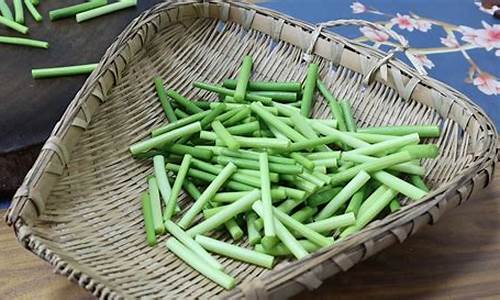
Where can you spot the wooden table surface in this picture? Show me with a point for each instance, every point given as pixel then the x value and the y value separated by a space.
pixel 458 258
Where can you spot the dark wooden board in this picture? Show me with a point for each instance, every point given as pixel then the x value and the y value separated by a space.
pixel 30 108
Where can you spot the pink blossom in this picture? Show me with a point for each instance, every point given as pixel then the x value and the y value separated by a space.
pixel 424 61
pixel 487 38
pixel 404 22
pixel 469 35
pixel 423 25
pixel 358 7
pixel 450 42
pixel 487 84
pixel 374 34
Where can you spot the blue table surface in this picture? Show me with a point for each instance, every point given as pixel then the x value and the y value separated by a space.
pixel 451 67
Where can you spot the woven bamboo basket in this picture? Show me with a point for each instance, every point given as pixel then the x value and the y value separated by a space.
pixel 79 207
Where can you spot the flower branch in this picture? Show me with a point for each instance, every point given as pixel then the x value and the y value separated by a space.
pixel 487 38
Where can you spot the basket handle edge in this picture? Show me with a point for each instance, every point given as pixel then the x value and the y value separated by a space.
pixel 403 45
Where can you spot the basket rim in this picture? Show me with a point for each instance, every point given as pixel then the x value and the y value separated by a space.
pixel 27 197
